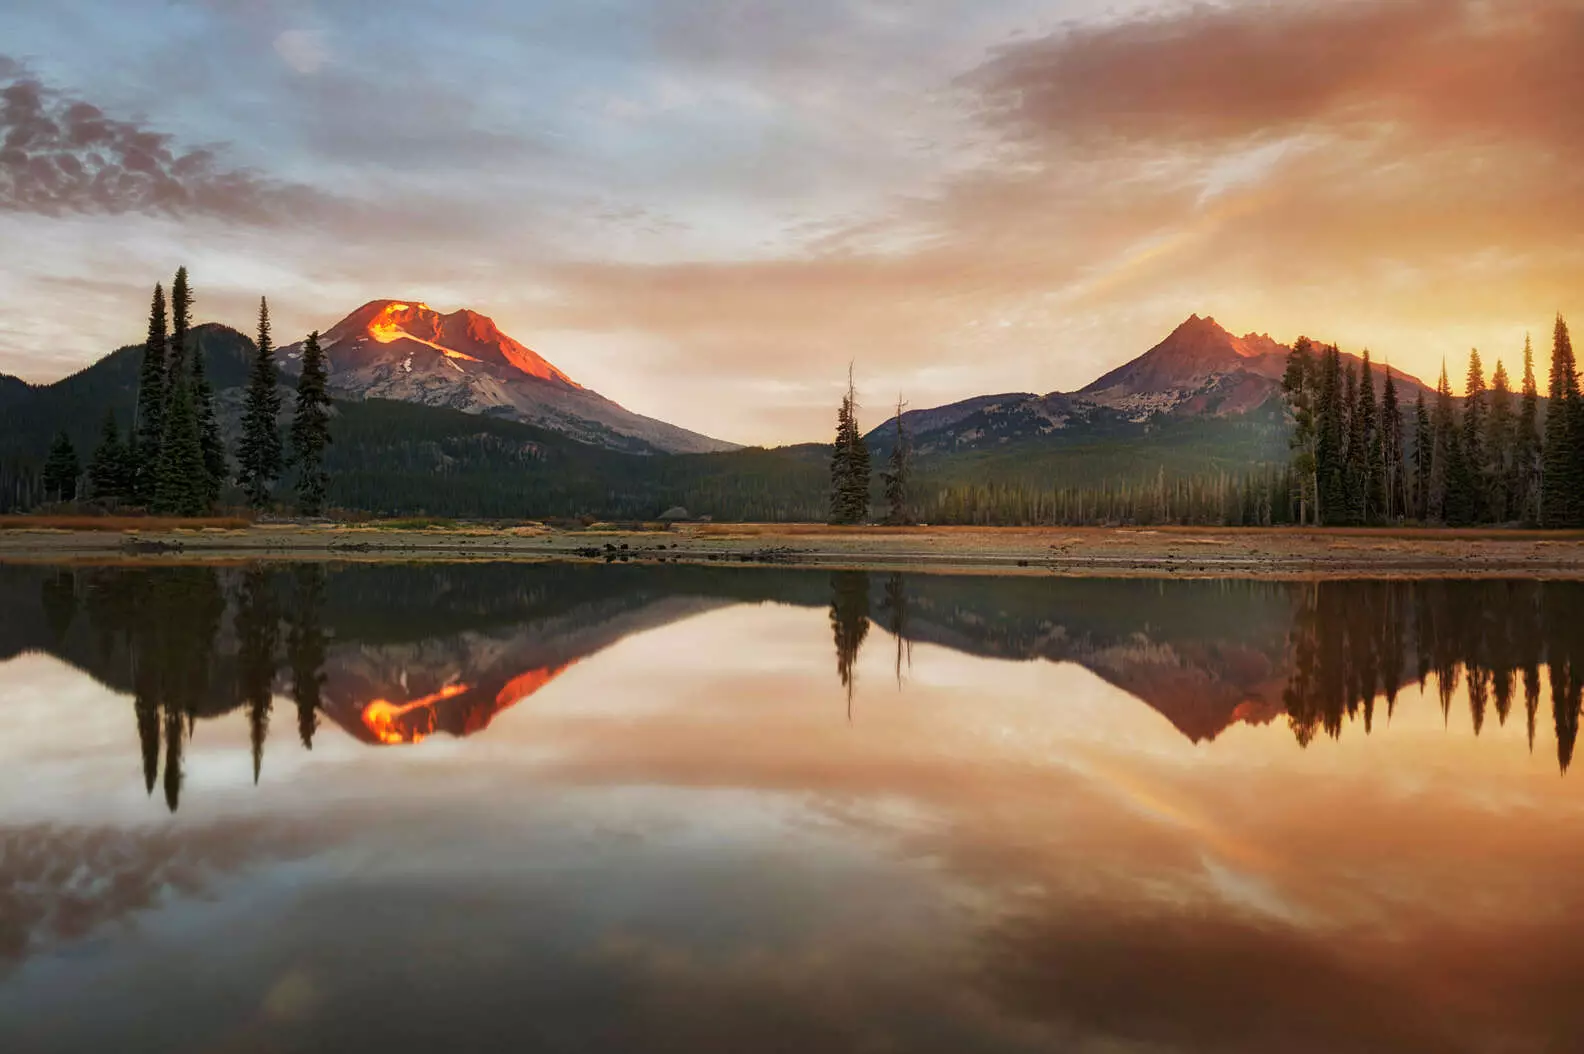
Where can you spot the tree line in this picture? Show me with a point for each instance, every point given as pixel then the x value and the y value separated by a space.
pixel 1346 648
pixel 1495 456
pixel 172 459
pixel 1361 455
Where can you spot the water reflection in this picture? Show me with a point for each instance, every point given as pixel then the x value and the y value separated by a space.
pixel 392 656
pixel 696 837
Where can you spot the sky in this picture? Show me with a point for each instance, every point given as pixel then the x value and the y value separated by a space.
pixel 705 209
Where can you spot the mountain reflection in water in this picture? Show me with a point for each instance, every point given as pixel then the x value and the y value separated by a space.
pixel 393 655
pixel 357 807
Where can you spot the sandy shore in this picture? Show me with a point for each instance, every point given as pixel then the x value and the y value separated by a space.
pixel 1082 551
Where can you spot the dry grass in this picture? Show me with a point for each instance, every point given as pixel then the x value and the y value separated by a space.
pixel 122 523
pixel 1326 535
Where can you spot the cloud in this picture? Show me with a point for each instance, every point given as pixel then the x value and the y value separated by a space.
pixel 1404 175
pixel 304 50
pixel 60 156
pixel 1213 74
pixel 743 197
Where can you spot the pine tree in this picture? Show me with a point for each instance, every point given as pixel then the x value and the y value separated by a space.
pixel 849 464
pixel 841 450
pixel 1526 460
pixel 1500 448
pixel 896 475
pixel 61 469
pixel 109 471
pixel 183 488
pixel 1473 441
pixel 1372 440
pixel 1443 434
pixel 310 430
pixel 1394 485
pixel 858 473
pixel 259 453
pixel 1356 459
pixel 209 441
pixel 1300 384
pixel 1458 504
pixel 1331 441
pixel 182 482
pixel 148 426
pixel 1424 454
pixel 181 324
pixel 1560 480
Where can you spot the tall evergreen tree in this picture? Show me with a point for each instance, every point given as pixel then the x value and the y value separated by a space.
pixel 61 469
pixel 1394 485
pixel 180 326
pixel 1374 443
pixel 896 474
pixel 259 453
pixel 110 470
pixel 1526 459
pixel 209 441
pixel 182 483
pixel 1473 441
pixel 310 430
pixel 1424 454
pixel 1300 383
pixel 850 469
pixel 1559 498
pixel 841 450
pixel 183 488
pixel 1331 440
pixel 1500 448
pixel 1356 470
pixel 148 426
pixel 1443 434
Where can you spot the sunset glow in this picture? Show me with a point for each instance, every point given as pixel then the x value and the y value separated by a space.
pixel 706 217
pixel 411 722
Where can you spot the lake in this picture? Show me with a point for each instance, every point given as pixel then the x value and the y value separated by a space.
pixel 562 807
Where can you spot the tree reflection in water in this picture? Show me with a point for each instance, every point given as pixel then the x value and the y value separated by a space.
pixel 189 643
pixel 1352 643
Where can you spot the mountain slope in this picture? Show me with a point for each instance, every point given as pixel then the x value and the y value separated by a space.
pixel 1203 369
pixel 1199 368
pixel 78 403
pixel 407 351
pixel 1202 399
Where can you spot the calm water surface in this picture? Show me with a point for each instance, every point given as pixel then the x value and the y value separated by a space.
pixel 618 808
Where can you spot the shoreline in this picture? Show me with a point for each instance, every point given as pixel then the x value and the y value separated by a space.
pixel 1088 551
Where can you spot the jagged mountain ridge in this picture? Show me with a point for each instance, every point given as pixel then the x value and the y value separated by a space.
pixel 1200 372
pixel 407 351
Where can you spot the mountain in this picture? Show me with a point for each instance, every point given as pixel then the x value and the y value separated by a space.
pixel 407 351
pixel 1203 369
pixel 402 458
pixel 1199 369
pixel 1201 385
pixel 34 413
pixel 13 390
pixel 415 430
